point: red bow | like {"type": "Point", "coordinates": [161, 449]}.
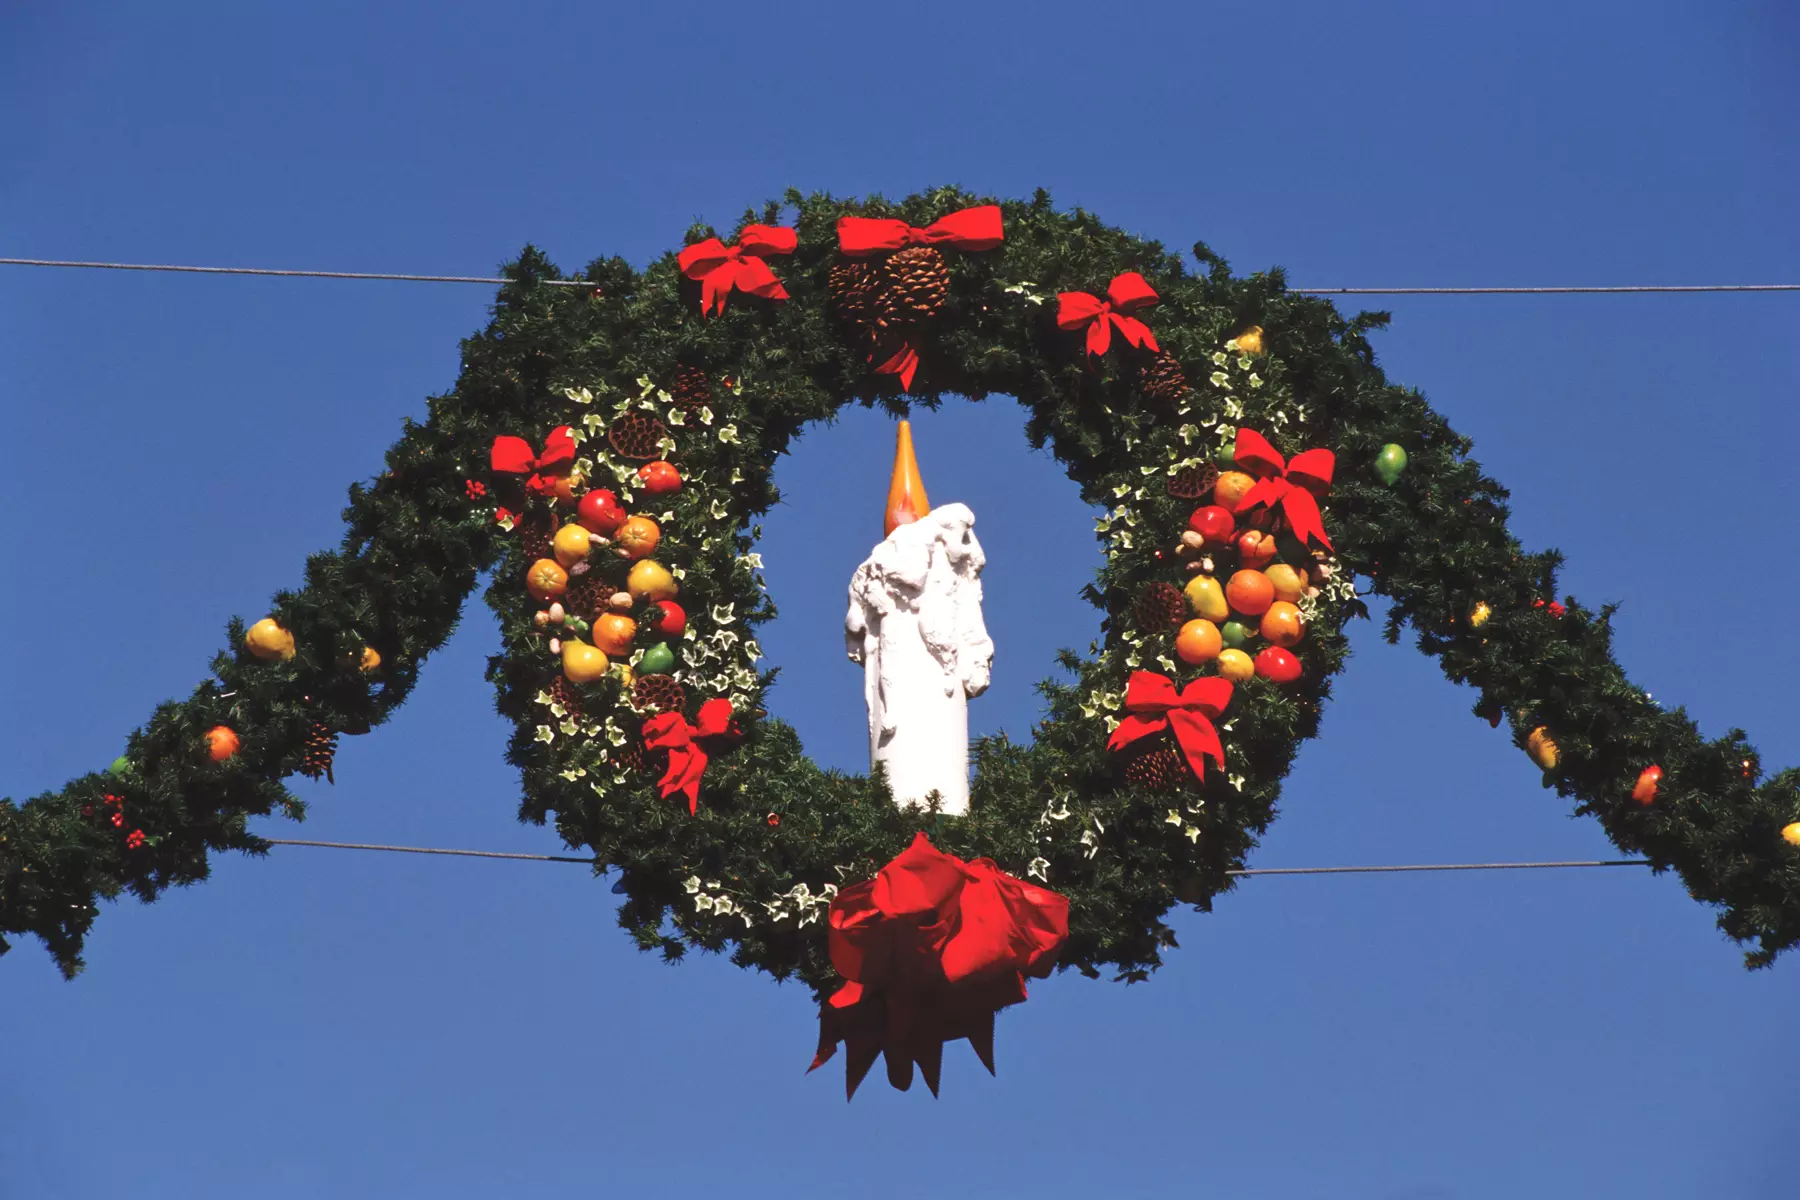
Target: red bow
{"type": "Point", "coordinates": [1289, 485]}
{"type": "Point", "coordinates": [513, 455]}
{"type": "Point", "coordinates": [976, 228]}
{"type": "Point", "coordinates": [1152, 705]}
{"type": "Point", "coordinates": [687, 750]}
{"type": "Point", "coordinates": [930, 949]}
{"type": "Point", "coordinates": [720, 268]}
{"type": "Point", "coordinates": [1125, 294]}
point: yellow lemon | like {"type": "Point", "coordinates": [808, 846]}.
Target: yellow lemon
{"type": "Point", "coordinates": [267, 640]}
{"type": "Point", "coordinates": [570, 545]}
{"type": "Point", "coordinates": [1791, 833]}
{"type": "Point", "coordinates": [370, 661]}
{"type": "Point", "coordinates": [1236, 666]}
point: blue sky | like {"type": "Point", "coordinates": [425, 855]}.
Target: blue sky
{"type": "Point", "coordinates": [323, 1023]}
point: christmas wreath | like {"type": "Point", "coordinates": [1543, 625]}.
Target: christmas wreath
{"type": "Point", "coordinates": [605, 455]}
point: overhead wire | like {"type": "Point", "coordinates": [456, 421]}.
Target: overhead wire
{"type": "Point", "coordinates": [494, 281]}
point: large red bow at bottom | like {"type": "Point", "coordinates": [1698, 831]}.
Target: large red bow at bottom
{"type": "Point", "coordinates": [931, 948]}
{"type": "Point", "coordinates": [688, 745]}
{"type": "Point", "coordinates": [1288, 485]}
{"type": "Point", "coordinates": [721, 268]}
{"type": "Point", "coordinates": [1152, 704]}
{"type": "Point", "coordinates": [513, 456]}
{"type": "Point", "coordinates": [1125, 294]}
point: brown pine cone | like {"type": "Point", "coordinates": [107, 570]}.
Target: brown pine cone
{"type": "Point", "coordinates": [854, 284]}
{"type": "Point", "coordinates": [692, 388]}
{"type": "Point", "coordinates": [587, 596]}
{"type": "Point", "coordinates": [1158, 769]}
{"type": "Point", "coordinates": [1162, 380]}
{"type": "Point", "coordinates": [657, 693]}
{"type": "Point", "coordinates": [321, 751]}
{"type": "Point", "coordinates": [1193, 483]}
{"type": "Point", "coordinates": [535, 529]}
{"type": "Point", "coordinates": [637, 435]}
{"type": "Point", "coordinates": [1159, 607]}
{"type": "Point", "coordinates": [915, 282]}
{"type": "Point", "coordinates": [566, 694]}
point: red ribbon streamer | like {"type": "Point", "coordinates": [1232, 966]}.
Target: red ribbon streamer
{"type": "Point", "coordinates": [1152, 704]}
{"type": "Point", "coordinates": [688, 746]}
{"type": "Point", "coordinates": [1290, 486]}
{"type": "Point", "coordinates": [929, 950]}
{"type": "Point", "coordinates": [721, 268]}
{"type": "Point", "coordinates": [977, 228]}
{"type": "Point", "coordinates": [1125, 294]}
{"type": "Point", "coordinates": [513, 456]}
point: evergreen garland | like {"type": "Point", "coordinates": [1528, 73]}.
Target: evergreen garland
{"type": "Point", "coordinates": [751, 871]}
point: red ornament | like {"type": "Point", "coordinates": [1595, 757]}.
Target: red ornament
{"type": "Point", "coordinates": [690, 745]}
{"type": "Point", "coordinates": [1213, 522]}
{"type": "Point", "coordinates": [1277, 665]}
{"type": "Point", "coordinates": [930, 949]}
{"type": "Point", "coordinates": [671, 619]}
{"type": "Point", "coordinates": [774, 819]}
{"type": "Point", "coordinates": [513, 456]}
{"type": "Point", "coordinates": [1645, 790]}
{"type": "Point", "coordinates": [1125, 294]}
{"type": "Point", "coordinates": [1292, 487]}
{"type": "Point", "coordinates": [503, 514]}
{"type": "Point", "coordinates": [1152, 705]}
{"type": "Point", "coordinates": [660, 478]}
{"type": "Point", "coordinates": [600, 512]}
{"type": "Point", "coordinates": [720, 268]}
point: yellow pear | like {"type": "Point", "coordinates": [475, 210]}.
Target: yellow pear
{"type": "Point", "coordinates": [370, 661]}
{"type": "Point", "coordinates": [1207, 598]}
{"type": "Point", "coordinates": [1543, 749]}
{"type": "Point", "coordinates": [267, 640]}
{"type": "Point", "coordinates": [650, 581]}
{"type": "Point", "coordinates": [570, 544]}
{"type": "Point", "coordinates": [583, 663]}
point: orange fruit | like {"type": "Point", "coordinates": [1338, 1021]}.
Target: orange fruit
{"type": "Point", "coordinates": [1250, 593]}
{"type": "Point", "coordinates": [1282, 624]}
{"type": "Point", "coordinates": [546, 579]}
{"type": "Point", "coordinates": [1231, 488]}
{"type": "Point", "coordinates": [1290, 582]}
{"type": "Point", "coordinates": [221, 742]}
{"type": "Point", "coordinates": [267, 640]}
{"type": "Point", "coordinates": [613, 633]}
{"type": "Point", "coordinates": [1236, 666]}
{"type": "Point", "coordinates": [1198, 642]}
{"type": "Point", "coordinates": [563, 487]}
{"type": "Point", "coordinates": [1256, 549]}
{"type": "Point", "coordinates": [637, 537]}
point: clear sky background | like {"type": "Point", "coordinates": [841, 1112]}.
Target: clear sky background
{"type": "Point", "coordinates": [324, 1023]}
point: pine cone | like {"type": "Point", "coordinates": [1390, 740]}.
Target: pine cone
{"type": "Point", "coordinates": [1159, 769]}
{"type": "Point", "coordinates": [1162, 380]}
{"type": "Point", "coordinates": [637, 435]}
{"type": "Point", "coordinates": [321, 749]}
{"type": "Point", "coordinates": [914, 283]}
{"type": "Point", "coordinates": [854, 284]}
{"type": "Point", "coordinates": [535, 529]}
{"type": "Point", "coordinates": [566, 694]}
{"type": "Point", "coordinates": [693, 388]}
{"type": "Point", "coordinates": [1159, 608]}
{"type": "Point", "coordinates": [1193, 483]}
{"type": "Point", "coordinates": [657, 693]}
{"type": "Point", "coordinates": [587, 596]}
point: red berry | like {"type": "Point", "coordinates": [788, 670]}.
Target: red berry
{"type": "Point", "coordinates": [671, 619]}
{"type": "Point", "coordinates": [135, 839]}
{"type": "Point", "coordinates": [118, 820]}
{"type": "Point", "coordinates": [1213, 522]}
{"type": "Point", "coordinates": [600, 512]}
{"type": "Point", "coordinates": [660, 478]}
{"type": "Point", "coordinates": [1277, 665]}
{"type": "Point", "coordinates": [773, 819]}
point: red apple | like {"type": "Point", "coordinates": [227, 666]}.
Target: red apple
{"type": "Point", "coordinates": [671, 619]}
{"type": "Point", "coordinates": [1277, 665]}
{"type": "Point", "coordinates": [660, 478]}
{"type": "Point", "coordinates": [600, 512]}
{"type": "Point", "coordinates": [1214, 523]}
